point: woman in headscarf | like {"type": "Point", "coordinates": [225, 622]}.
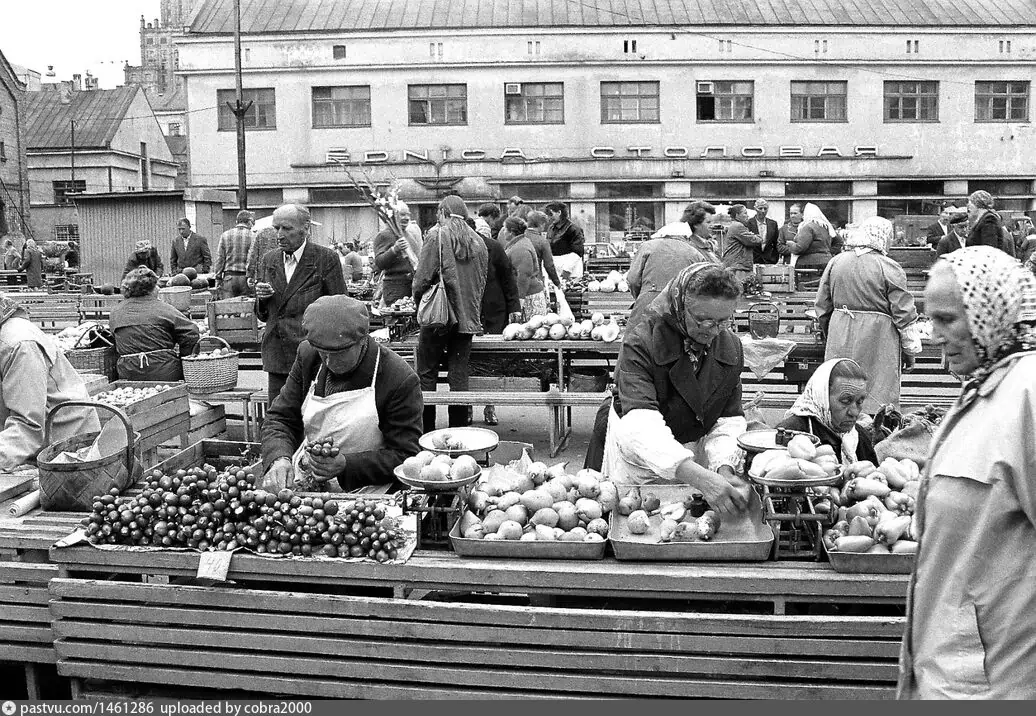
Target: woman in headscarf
{"type": "Point", "coordinates": [144, 254]}
{"type": "Point", "coordinates": [677, 411]}
{"type": "Point", "coordinates": [463, 263]}
{"type": "Point", "coordinates": [32, 264]}
{"type": "Point", "coordinates": [671, 249]}
{"type": "Point", "coordinates": [829, 408]}
{"type": "Point", "coordinates": [986, 227]}
{"type": "Point", "coordinates": [815, 241]}
{"type": "Point", "coordinates": [867, 313]}
{"type": "Point", "coordinates": [150, 335]}
{"type": "Point", "coordinates": [970, 630]}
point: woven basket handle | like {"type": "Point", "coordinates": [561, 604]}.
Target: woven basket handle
{"type": "Point", "coordinates": [197, 346]}
{"type": "Point", "coordinates": [49, 423]}
{"type": "Point", "coordinates": [93, 327]}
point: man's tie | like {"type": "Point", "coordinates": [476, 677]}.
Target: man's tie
{"type": "Point", "coordinates": [289, 267]}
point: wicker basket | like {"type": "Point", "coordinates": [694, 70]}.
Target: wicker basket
{"type": "Point", "coordinates": [100, 360]}
{"type": "Point", "coordinates": [72, 486]}
{"type": "Point", "coordinates": [210, 374]}
{"type": "Point", "coordinates": [179, 297]}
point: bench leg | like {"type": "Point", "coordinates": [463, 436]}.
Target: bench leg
{"type": "Point", "coordinates": [32, 683]}
{"type": "Point", "coordinates": [76, 687]}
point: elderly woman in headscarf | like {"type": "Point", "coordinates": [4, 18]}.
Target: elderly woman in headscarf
{"type": "Point", "coordinates": [150, 335]}
{"type": "Point", "coordinates": [815, 241]}
{"type": "Point", "coordinates": [829, 408]}
{"type": "Point", "coordinates": [677, 410]}
{"type": "Point", "coordinates": [670, 250]}
{"type": "Point", "coordinates": [867, 313]}
{"type": "Point", "coordinates": [970, 630]}
{"type": "Point", "coordinates": [454, 252]}
{"type": "Point", "coordinates": [144, 254]}
{"type": "Point", "coordinates": [986, 227]}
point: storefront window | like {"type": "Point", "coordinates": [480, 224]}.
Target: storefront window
{"type": "Point", "coordinates": [818, 188]}
{"type": "Point", "coordinates": [625, 190]}
{"type": "Point", "coordinates": [1003, 190]}
{"type": "Point", "coordinates": [618, 220]}
{"type": "Point", "coordinates": [535, 192]}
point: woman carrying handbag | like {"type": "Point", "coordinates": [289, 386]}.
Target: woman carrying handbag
{"type": "Point", "coordinates": [448, 288]}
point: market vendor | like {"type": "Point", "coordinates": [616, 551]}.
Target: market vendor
{"type": "Point", "coordinates": [144, 254]}
{"type": "Point", "coordinates": [345, 386]}
{"type": "Point", "coordinates": [677, 412]}
{"type": "Point", "coordinates": [34, 377]}
{"type": "Point", "coordinates": [829, 408]}
{"type": "Point", "coordinates": [150, 335]}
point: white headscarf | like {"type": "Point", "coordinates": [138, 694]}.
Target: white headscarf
{"type": "Point", "coordinates": [875, 234]}
{"type": "Point", "coordinates": [815, 402]}
{"type": "Point", "coordinates": [811, 214]}
{"type": "Point", "coordinates": [999, 297]}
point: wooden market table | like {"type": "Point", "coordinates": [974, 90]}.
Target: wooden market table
{"type": "Point", "coordinates": [484, 628]}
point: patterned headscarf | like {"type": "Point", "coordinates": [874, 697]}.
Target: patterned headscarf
{"type": "Point", "coordinates": [982, 199]}
{"type": "Point", "coordinates": [875, 234]}
{"type": "Point", "coordinates": [1000, 304]}
{"type": "Point", "coordinates": [10, 308]}
{"type": "Point", "coordinates": [671, 304]}
{"type": "Point", "coordinates": [815, 402]}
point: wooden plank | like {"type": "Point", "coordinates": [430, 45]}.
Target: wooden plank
{"type": "Point", "coordinates": [28, 653]}
{"type": "Point", "coordinates": [25, 633]}
{"type": "Point", "coordinates": [509, 655]}
{"type": "Point", "coordinates": [24, 595]}
{"type": "Point", "coordinates": [498, 614]}
{"type": "Point", "coordinates": [408, 630]}
{"type": "Point", "coordinates": [313, 687]}
{"type": "Point", "coordinates": [301, 666]}
{"type": "Point", "coordinates": [25, 613]}
{"type": "Point", "coordinates": [28, 572]}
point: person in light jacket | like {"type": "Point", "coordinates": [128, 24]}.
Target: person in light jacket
{"type": "Point", "coordinates": [739, 243]}
{"type": "Point", "coordinates": [463, 265]}
{"type": "Point", "coordinates": [970, 631]}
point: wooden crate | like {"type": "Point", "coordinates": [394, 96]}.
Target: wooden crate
{"type": "Point", "coordinates": [158, 418]}
{"type": "Point", "coordinates": [25, 633]}
{"type": "Point", "coordinates": [615, 304]}
{"type": "Point", "coordinates": [234, 320]}
{"type": "Point", "coordinates": [913, 257]}
{"type": "Point", "coordinates": [218, 453]}
{"type": "Point", "coordinates": [778, 278]}
{"type": "Point", "coordinates": [97, 307]}
{"type": "Point", "coordinates": [199, 300]}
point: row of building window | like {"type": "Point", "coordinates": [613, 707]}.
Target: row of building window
{"type": "Point", "coordinates": [632, 102]}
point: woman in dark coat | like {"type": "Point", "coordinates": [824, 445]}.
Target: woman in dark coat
{"type": "Point", "coordinates": [144, 254]}
{"type": "Point", "coordinates": [677, 412]}
{"type": "Point", "coordinates": [829, 408]}
{"type": "Point", "coordinates": [985, 223]}
{"type": "Point", "coordinates": [149, 331]}
{"type": "Point", "coordinates": [32, 265]}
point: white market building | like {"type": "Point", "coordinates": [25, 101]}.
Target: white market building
{"type": "Point", "coordinates": [626, 110]}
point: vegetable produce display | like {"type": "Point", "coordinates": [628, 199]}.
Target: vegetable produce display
{"type": "Point", "coordinates": [614, 281]}
{"type": "Point", "coordinates": [204, 509]}
{"type": "Point", "coordinates": [688, 520]}
{"type": "Point", "coordinates": [403, 305]}
{"type": "Point", "coordinates": [121, 397]}
{"type": "Point", "coordinates": [429, 467]}
{"type": "Point", "coordinates": [876, 509]}
{"type": "Point", "coordinates": [540, 504]}
{"type": "Point", "coordinates": [802, 460]}
{"type": "Point", "coordinates": [553, 326]}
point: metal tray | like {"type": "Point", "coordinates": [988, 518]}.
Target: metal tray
{"type": "Point", "coordinates": [738, 540]}
{"type": "Point", "coordinates": [444, 486]}
{"type": "Point", "coordinates": [799, 483]}
{"type": "Point", "coordinates": [515, 549]}
{"type": "Point", "coordinates": [477, 441]}
{"type": "Point", "coordinates": [857, 563]}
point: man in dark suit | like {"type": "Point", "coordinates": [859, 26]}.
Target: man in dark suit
{"type": "Point", "coordinates": [290, 278]}
{"type": "Point", "coordinates": [957, 237]}
{"type": "Point", "coordinates": [767, 229]}
{"type": "Point", "coordinates": [935, 233]}
{"type": "Point", "coordinates": [190, 249]}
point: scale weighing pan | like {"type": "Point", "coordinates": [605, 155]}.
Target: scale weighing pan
{"type": "Point", "coordinates": [804, 482]}
{"type": "Point", "coordinates": [476, 441]}
{"type": "Point", "coordinates": [761, 440]}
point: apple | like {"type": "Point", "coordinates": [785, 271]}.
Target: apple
{"type": "Point", "coordinates": [558, 331]}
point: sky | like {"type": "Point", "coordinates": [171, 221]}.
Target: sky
{"type": "Point", "coordinates": [75, 36]}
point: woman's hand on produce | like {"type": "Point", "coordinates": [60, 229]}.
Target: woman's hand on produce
{"type": "Point", "coordinates": [717, 489]}
{"type": "Point", "coordinates": [279, 475]}
{"type": "Point", "coordinates": [328, 468]}
{"type": "Point", "coordinates": [908, 363]}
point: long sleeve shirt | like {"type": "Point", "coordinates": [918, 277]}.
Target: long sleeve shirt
{"type": "Point", "coordinates": [232, 253]}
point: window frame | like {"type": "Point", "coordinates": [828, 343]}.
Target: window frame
{"type": "Point", "coordinates": [445, 99]}
{"type": "Point", "coordinates": [1007, 95]}
{"type": "Point", "coordinates": [332, 102]}
{"type": "Point", "coordinates": [525, 103]}
{"type": "Point", "coordinates": [620, 96]}
{"type": "Point", "coordinates": [77, 186]}
{"type": "Point", "coordinates": [732, 95]}
{"type": "Point", "coordinates": [249, 93]}
{"type": "Point", "coordinates": [826, 120]}
{"type": "Point", "coordinates": [900, 96]}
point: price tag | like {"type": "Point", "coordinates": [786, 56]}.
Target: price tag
{"type": "Point", "coordinates": [214, 565]}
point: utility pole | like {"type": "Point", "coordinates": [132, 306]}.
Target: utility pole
{"type": "Point", "coordinates": [239, 108]}
{"type": "Point", "coordinates": [72, 154]}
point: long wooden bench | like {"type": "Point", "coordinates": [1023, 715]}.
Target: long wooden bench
{"type": "Point", "coordinates": [333, 646]}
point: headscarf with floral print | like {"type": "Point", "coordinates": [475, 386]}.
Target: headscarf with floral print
{"type": "Point", "coordinates": [671, 304]}
{"type": "Point", "coordinates": [815, 402]}
{"type": "Point", "coordinates": [875, 234]}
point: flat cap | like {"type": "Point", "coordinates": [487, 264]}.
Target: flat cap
{"type": "Point", "coordinates": [335, 323]}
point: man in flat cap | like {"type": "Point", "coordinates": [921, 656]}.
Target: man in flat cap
{"type": "Point", "coordinates": [347, 387]}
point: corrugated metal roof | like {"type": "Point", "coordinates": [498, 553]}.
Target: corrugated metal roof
{"type": "Point", "coordinates": [279, 16]}
{"type": "Point", "coordinates": [97, 114]}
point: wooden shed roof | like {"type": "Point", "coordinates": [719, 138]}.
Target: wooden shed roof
{"type": "Point", "coordinates": [97, 114]}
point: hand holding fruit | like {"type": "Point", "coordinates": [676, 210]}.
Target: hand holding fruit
{"type": "Point", "coordinates": [718, 490]}
{"type": "Point", "coordinates": [276, 478]}
{"type": "Point", "coordinates": [263, 290]}
{"type": "Point", "coordinates": [326, 461]}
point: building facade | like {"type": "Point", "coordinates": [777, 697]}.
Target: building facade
{"type": "Point", "coordinates": [625, 116]}
{"type": "Point", "coordinates": [100, 141]}
{"type": "Point", "coordinates": [14, 178]}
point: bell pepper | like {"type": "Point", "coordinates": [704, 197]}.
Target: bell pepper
{"type": "Point", "coordinates": [889, 531]}
{"type": "Point", "coordinates": [860, 488]}
{"type": "Point", "coordinates": [898, 502]}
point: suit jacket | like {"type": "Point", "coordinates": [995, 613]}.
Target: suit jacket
{"type": "Point", "coordinates": [196, 255]}
{"type": "Point", "coordinates": [318, 274]}
{"type": "Point", "coordinates": [935, 232]}
{"type": "Point", "coordinates": [767, 253]}
{"type": "Point", "coordinates": [947, 244]}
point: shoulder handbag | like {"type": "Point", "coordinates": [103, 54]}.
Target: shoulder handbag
{"type": "Point", "coordinates": [434, 309]}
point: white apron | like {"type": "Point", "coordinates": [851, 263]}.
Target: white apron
{"type": "Point", "coordinates": [350, 418]}
{"type": "Point", "coordinates": [872, 340]}
{"type": "Point", "coordinates": [616, 468]}
{"type": "Point", "coordinates": [573, 263]}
